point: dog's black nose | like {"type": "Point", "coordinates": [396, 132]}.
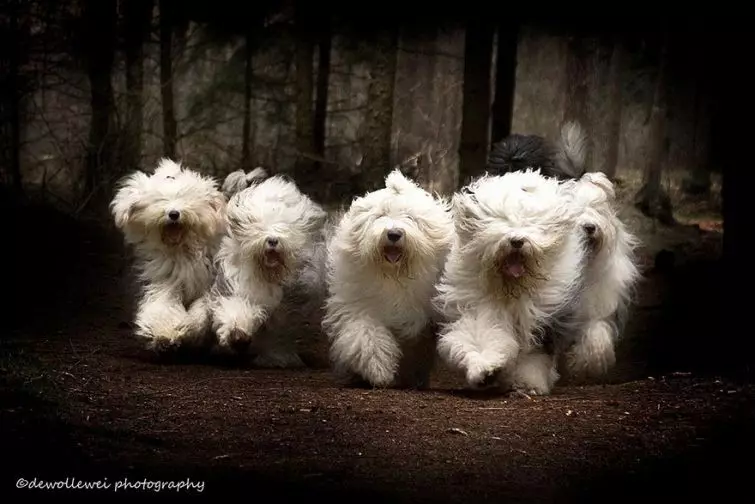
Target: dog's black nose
{"type": "Point", "coordinates": [394, 235]}
{"type": "Point", "coordinates": [272, 242]}
{"type": "Point", "coordinates": [517, 243]}
{"type": "Point", "coordinates": [589, 228]}
{"type": "Point", "coordinates": [174, 215]}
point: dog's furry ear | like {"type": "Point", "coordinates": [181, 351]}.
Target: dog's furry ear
{"type": "Point", "coordinates": [126, 198]}
{"type": "Point", "coordinates": [463, 211]}
{"type": "Point", "coordinates": [218, 203]}
{"type": "Point", "coordinates": [398, 182]}
{"type": "Point", "coordinates": [600, 180]}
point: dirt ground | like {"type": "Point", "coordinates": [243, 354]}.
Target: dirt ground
{"type": "Point", "coordinates": [80, 398]}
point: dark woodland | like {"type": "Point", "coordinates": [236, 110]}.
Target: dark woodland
{"type": "Point", "coordinates": [336, 95]}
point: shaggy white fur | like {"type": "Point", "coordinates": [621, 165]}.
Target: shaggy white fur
{"type": "Point", "coordinates": [610, 276]}
{"type": "Point", "coordinates": [384, 258]}
{"type": "Point", "coordinates": [238, 180]}
{"type": "Point", "coordinates": [515, 266]}
{"type": "Point", "coordinates": [273, 231]}
{"type": "Point", "coordinates": [174, 219]}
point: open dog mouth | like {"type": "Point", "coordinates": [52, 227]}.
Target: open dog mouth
{"type": "Point", "coordinates": [514, 265]}
{"type": "Point", "coordinates": [392, 253]}
{"type": "Point", "coordinates": [272, 259]}
{"type": "Point", "coordinates": [172, 233]}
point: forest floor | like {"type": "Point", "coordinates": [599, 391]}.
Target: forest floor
{"type": "Point", "coordinates": [80, 398]}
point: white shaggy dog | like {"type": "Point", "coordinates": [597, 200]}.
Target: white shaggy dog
{"type": "Point", "coordinates": [516, 266]}
{"type": "Point", "coordinates": [610, 275]}
{"type": "Point", "coordinates": [174, 219]}
{"type": "Point", "coordinates": [384, 258]}
{"type": "Point", "coordinates": [273, 229]}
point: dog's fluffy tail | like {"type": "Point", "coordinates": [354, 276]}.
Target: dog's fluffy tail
{"type": "Point", "coordinates": [238, 181]}
{"type": "Point", "coordinates": [572, 149]}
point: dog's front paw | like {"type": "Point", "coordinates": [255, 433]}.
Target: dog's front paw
{"type": "Point", "coordinates": [233, 338]}
{"type": "Point", "coordinates": [162, 344]}
{"type": "Point", "coordinates": [590, 359]}
{"type": "Point", "coordinates": [483, 373]}
{"type": "Point", "coordinates": [379, 372]}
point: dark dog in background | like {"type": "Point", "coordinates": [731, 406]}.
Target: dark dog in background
{"type": "Point", "coordinates": [563, 160]}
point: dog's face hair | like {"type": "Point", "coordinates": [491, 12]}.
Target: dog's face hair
{"type": "Point", "coordinates": [172, 207]}
{"type": "Point", "coordinates": [399, 228]}
{"type": "Point", "coordinates": [597, 222]}
{"type": "Point", "coordinates": [272, 222]}
{"type": "Point", "coordinates": [510, 225]}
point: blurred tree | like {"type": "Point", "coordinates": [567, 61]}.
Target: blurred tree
{"type": "Point", "coordinates": [651, 199]}
{"type": "Point", "coordinates": [246, 156]}
{"type": "Point", "coordinates": [137, 23]}
{"type": "Point", "coordinates": [324, 44]}
{"type": "Point", "coordinates": [382, 46]}
{"type": "Point", "coordinates": [475, 123]}
{"type": "Point", "coordinates": [11, 96]}
{"type": "Point", "coordinates": [580, 51]}
{"type": "Point", "coordinates": [698, 179]}
{"type": "Point", "coordinates": [305, 51]}
{"type": "Point", "coordinates": [605, 116]}
{"type": "Point", "coordinates": [505, 78]}
{"type": "Point", "coordinates": [170, 126]}
{"type": "Point", "coordinates": [100, 18]}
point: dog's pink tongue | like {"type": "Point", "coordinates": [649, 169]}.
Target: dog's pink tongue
{"type": "Point", "coordinates": [515, 270]}
{"type": "Point", "coordinates": [514, 266]}
{"type": "Point", "coordinates": [392, 254]}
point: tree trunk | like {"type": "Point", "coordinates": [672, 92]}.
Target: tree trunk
{"type": "Point", "coordinates": [577, 73]}
{"type": "Point", "coordinates": [651, 199]}
{"type": "Point", "coordinates": [376, 142]}
{"type": "Point", "coordinates": [698, 181]}
{"type": "Point", "coordinates": [606, 104]}
{"type": "Point", "coordinates": [305, 53]}
{"type": "Point", "coordinates": [13, 98]}
{"type": "Point", "coordinates": [615, 107]}
{"type": "Point", "coordinates": [321, 97]}
{"type": "Point", "coordinates": [246, 155]}
{"type": "Point", "coordinates": [170, 127]}
{"type": "Point", "coordinates": [100, 20]}
{"type": "Point", "coordinates": [505, 80]}
{"type": "Point", "coordinates": [138, 14]}
{"type": "Point", "coordinates": [475, 122]}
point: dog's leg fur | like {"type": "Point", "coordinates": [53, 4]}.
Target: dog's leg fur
{"type": "Point", "coordinates": [159, 319]}
{"type": "Point", "coordinates": [196, 324]}
{"type": "Point", "coordinates": [593, 353]}
{"type": "Point", "coordinates": [236, 321]}
{"type": "Point", "coordinates": [365, 347]}
{"type": "Point", "coordinates": [277, 347]}
{"type": "Point", "coordinates": [534, 374]}
{"type": "Point", "coordinates": [479, 346]}
{"type": "Point", "coordinates": [418, 360]}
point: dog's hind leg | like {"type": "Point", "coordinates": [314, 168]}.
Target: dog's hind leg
{"type": "Point", "coordinates": [277, 347]}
